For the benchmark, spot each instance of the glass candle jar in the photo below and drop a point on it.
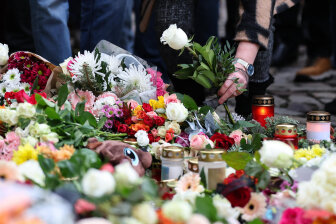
(172, 162)
(262, 107)
(193, 165)
(214, 167)
(318, 126)
(287, 133)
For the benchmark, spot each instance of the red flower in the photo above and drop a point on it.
(21, 56)
(116, 124)
(122, 128)
(147, 107)
(234, 176)
(239, 197)
(159, 121)
(149, 121)
(128, 121)
(82, 206)
(151, 138)
(169, 135)
(131, 132)
(222, 141)
(41, 70)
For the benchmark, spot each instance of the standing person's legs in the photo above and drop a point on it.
(50, 30)
(104, 20)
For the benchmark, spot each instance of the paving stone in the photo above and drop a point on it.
(325, 95)
(279, 101)
(287, 112)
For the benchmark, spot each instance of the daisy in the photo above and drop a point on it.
(12, 75)
(25, 86)
(12, 87)
(255, 208)
(189, 182)
(3, 89)
(9, 171)
(76, 66)
(136, 78)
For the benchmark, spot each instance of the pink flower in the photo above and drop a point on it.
(237, 136)
(13, 140)
(107, 94)
(171, 99)
(132, 103)
(189, 182)
(80, 96)
(294, 215)
(134, 119)
(198, 142)
(154, 132)
(82, 206)
(152, 114)
(5, 152)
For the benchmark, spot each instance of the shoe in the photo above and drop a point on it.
(319, 71)
(284, 54)
(331, 107)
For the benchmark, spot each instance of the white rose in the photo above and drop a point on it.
(39, 129)
(224, 209)
(188, 196)
(145, 213)
(173, 125)
(64, 66)
(97, 183)
(142, 138)
(175, 37)
(3, 54)
(93, 220)
(29, 140)
(276, 154)
(31, 170)
(176, 112)
(51, 137)
(177, 211)
(125, 174)
(26, 110)
(8, 116)
(161, 131)
(130, 221)
(198, 219)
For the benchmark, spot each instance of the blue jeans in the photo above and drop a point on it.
(106, 20)
(50, 30)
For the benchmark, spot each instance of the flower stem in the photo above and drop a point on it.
(232, 121)
(192, 51)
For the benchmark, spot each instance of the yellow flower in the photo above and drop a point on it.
(157, 104)
(137, 109)
(310, 152)
(25, 153)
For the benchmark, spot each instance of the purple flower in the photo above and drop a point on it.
(109, 124)
(118, 113)
(183, 139)
(109, 112)
(286, 185)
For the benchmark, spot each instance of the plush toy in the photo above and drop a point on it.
(117, 152)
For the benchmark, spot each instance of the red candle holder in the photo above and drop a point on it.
(262, 107)
(287, 133)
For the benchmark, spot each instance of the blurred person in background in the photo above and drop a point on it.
(103, 19)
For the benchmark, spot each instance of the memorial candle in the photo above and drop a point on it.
(318, 126)
(262, 107)
(287, 133)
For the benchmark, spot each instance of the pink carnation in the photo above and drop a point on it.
(294, 215)
(237, 135)
(198, 142)
(151, 114)
(12, 140)
(171, 99)
(132, 103)
(157, 81)
(80, 96)
(107, 94)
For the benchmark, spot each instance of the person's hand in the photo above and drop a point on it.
(229, 88)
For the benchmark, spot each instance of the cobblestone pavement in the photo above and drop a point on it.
(296, 99)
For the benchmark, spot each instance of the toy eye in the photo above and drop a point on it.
(131, 154)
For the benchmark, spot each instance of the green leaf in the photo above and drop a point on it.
(237, 160)
(210, 75)
(68, 169)
(51, 181)
(205, 109)
(256, 221)
(189, 103)
(101, 123)
(62, 95)
(256, 170)
(43, 102)
(243, 124)
(149, 187)
(50, 111)
(35, 84)
(46, 164)
(203, 81)
(24, 122)
(205, 206)
(203, 178)
(79, 110)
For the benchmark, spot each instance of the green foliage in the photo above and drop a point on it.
(211, 64)
(205, 206)
(187, 101)
(237, 160)
(259, 171)
(255, 145)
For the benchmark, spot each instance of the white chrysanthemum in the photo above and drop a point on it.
(136, 77)
(113, 64)
(3, 88)
(25, 86)
(13, 87)
(12, 75)
(88, 59)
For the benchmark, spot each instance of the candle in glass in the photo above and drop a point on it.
(318, 126)
(262, 107)
(287, 133)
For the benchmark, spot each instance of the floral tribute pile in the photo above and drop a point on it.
(65, 145)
